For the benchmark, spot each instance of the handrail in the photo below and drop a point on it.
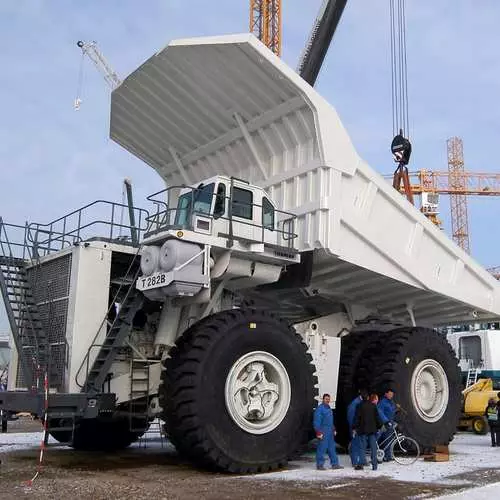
(69, 229)
(161, 218)
(86, 359)
(8, 246)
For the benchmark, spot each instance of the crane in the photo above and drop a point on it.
(458, 184)
(319, 41)
(265, 23)
(90, 50)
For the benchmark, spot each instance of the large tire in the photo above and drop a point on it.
(98, 435)
(353, 350)
(197, 401)
(421, 367)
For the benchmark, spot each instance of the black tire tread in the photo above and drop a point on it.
(176, 394)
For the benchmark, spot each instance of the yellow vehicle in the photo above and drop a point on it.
(474, 402)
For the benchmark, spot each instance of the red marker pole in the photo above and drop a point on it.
(45, 424)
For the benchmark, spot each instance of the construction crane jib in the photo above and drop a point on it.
(90, 50)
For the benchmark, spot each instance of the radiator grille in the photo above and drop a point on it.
(50, 283)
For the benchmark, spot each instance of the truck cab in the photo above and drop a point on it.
(224, 208)
(221, 227)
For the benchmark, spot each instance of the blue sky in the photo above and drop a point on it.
(53, 159)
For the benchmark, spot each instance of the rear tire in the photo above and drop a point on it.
(354, 349)
(405, 450)
(98, 435)
(421, 367)
(238, 392)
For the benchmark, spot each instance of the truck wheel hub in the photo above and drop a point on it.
(429, 390)
(257, 392)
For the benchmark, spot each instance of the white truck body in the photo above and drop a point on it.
(227, 105)
(477, 349)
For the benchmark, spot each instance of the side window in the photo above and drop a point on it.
(242, 203)
(470, 348)
(267, 214)
(203, 196)
(220, 201)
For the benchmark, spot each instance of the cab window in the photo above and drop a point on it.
(220, 201)
(242, 203)
(202, 200)
(267, 214)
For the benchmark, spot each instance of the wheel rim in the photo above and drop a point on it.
(429, 390)
(257, 392)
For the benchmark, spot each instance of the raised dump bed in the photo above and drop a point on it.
(227, 105)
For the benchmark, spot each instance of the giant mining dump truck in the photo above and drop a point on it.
(275, 266)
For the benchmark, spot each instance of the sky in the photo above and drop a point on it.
(54, 159)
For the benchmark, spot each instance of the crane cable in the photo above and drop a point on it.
(79, 85)
(400, 146)
(399, 68)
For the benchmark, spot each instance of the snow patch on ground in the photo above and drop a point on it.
(21, 441)
(468, 452)
(483, 493)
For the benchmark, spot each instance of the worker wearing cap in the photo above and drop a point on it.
(387, 411)
(325, 432)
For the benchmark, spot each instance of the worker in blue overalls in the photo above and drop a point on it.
(355, 452)
(325, 432)
(387, 410)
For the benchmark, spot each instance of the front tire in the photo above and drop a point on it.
(238, 392)
(480, 425)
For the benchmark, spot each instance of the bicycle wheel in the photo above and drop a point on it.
(405, 450)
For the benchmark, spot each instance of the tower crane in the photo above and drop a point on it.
(265, 23)
(458, 184)
(90, 50)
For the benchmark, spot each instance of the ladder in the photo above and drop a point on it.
(116, 336)
(139, 394)
(24, 320)
(472, 375)
(154, 431)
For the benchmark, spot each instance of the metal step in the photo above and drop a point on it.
(9, 261)
(115, 339)
(24, 318)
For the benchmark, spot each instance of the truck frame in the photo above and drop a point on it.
(276, 266)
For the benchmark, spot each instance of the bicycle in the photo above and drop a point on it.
(404, 449)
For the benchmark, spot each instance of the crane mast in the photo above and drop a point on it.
(265, 23)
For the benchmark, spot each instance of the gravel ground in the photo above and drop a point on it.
(152, 468)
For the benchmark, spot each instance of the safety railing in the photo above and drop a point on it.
(196, 201)
(13, 240)
(99, 219)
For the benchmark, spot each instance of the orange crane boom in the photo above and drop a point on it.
(474, 183)
(455, 182)
(265, 23)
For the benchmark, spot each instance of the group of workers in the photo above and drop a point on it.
(370, 422)
(492, 413)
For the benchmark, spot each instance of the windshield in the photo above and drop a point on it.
(202, 203)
